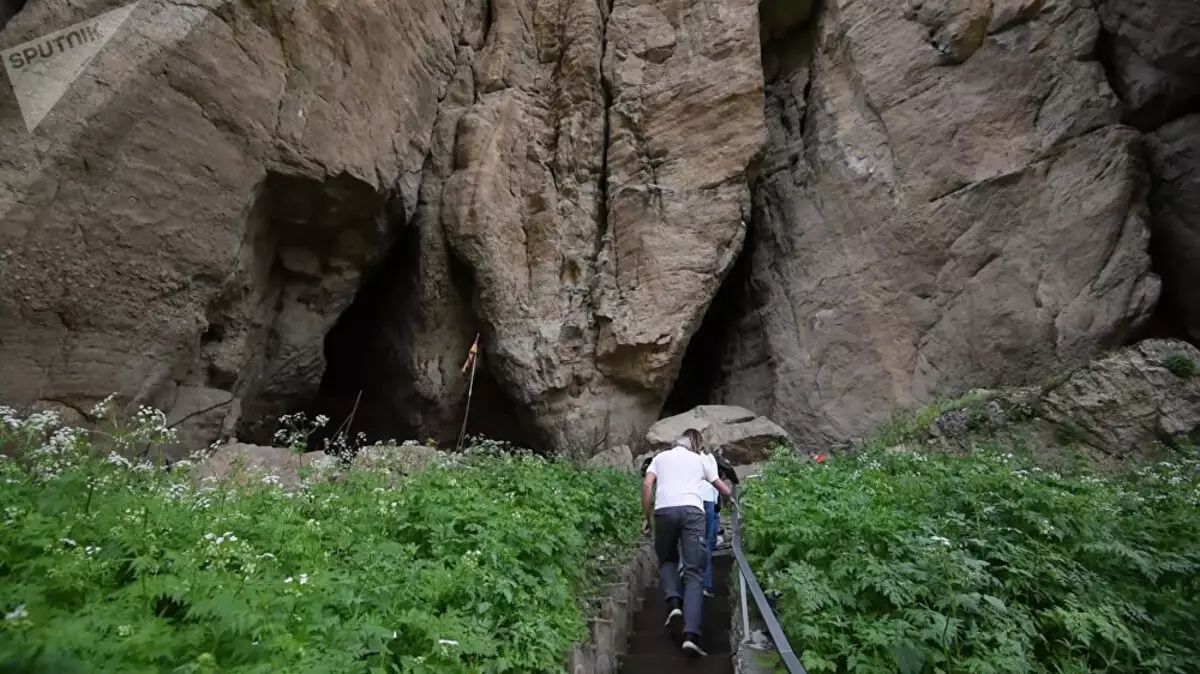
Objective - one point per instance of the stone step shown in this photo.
(655, 649)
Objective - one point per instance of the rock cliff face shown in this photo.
(197, 210)
(948, 201)
(1153, 51)
(245, 208)
(192, 218)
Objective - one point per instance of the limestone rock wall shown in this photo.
(948, 201)
(205, 202)
(242, 208)
(199, 207)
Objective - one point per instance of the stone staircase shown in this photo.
(653, 649)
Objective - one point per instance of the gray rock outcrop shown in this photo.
(199, 207)
(740, 435)
(1153, 53)
(620, 457)
(917, 231)
(1125, 402)
(255, 464)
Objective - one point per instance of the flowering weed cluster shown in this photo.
(112, 565)
(904, 562)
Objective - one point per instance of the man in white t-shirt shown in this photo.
(675, 485)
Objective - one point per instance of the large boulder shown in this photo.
(397, 460)
(739, 434)
(947, 201)
(1123, 403)
(620, 457)
(256, 463)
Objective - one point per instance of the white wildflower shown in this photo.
(101, 408)
(118, 460)
(17, 613)
(8, 417)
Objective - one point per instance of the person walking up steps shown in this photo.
(673, 492)
(711, 523)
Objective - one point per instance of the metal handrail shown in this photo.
(748, 581)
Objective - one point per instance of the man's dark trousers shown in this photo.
(679, 531)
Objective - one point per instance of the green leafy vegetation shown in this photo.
(476, 564)
(907, 562)
(904, 425)
(1068, 434)
(1181, 365)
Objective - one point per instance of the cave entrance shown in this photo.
(784, 33)
(379, 347)
(701, 373)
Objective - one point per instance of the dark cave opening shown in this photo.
(369, 380)
(1152, 108)
(701, 372)
(355, 377)
(1168, 319)
(303, 240)
(784, 27)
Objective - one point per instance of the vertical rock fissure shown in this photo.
(701, 371)
(606, 90)
(594, 303)
(702, 376)
(1149, 55)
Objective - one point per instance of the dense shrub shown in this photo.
(474, 565)
(1181, 365)
(901, 562)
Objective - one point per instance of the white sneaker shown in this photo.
(675, 613)
(692, 647)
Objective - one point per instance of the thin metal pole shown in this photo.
(745, 592)
(467, 413)
(745, 608)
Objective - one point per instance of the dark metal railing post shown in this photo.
(749, 582)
